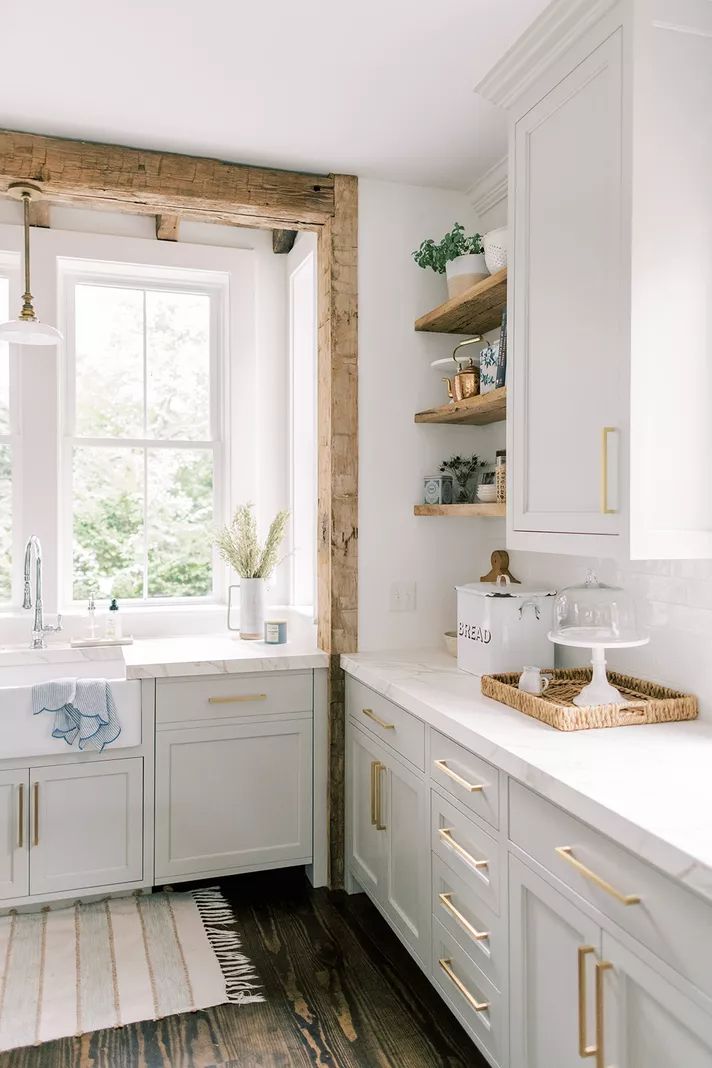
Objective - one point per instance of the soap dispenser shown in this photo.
(113, 621)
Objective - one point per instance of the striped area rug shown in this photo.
(113, 962)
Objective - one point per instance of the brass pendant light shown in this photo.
(27, 329)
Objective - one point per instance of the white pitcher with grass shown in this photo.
(238, 545)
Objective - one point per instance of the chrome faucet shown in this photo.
(38, 628)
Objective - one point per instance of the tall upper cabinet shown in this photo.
(610, 279)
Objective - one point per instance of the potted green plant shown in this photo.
(460, 257)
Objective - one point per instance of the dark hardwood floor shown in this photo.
(341, 992)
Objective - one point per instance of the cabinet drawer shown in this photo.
(468, 778)
(661, 914)
(468, 991)
(479, 931)
(392, 724)
(187, 699)
(467, 849)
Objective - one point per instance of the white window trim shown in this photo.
(10, 268)
(39, 386)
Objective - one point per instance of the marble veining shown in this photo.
(647, 787)
(217, 654)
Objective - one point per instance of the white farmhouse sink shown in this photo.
(25, 735)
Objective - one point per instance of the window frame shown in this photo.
(11, 269)
(161, 278)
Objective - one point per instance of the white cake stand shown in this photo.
(599, 690)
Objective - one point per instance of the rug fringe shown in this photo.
(241, 982)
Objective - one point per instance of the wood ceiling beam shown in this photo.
(39, 213)
(149, 182)
(167, 227)
(283, 241)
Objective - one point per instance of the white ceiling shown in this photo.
(378, 88)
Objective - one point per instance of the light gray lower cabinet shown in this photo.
(233, 796)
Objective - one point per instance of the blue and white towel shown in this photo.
(83, 709)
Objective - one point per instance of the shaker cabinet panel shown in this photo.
(14, 828)
(367, 841)
(567, 323)
(230, 797)
(407, 885)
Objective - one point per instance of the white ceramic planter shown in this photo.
(496, 245)
(252, 608)
(463, 272)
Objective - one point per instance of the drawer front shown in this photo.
(468, 778)
(392, 724)
(468, 991)
(480, 932)
(660, 913)
(467, 849)
(185, 700)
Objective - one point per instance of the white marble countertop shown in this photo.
(647, 787)
(218, 654)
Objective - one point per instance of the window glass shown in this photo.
(178, 365)
(180, 518)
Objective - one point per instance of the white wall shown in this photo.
(395, 381)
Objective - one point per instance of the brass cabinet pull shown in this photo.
(478, 1006)
(478, 936)
(35, 813)
(471, 787)
(446, 835)
(237, 697)
(602, 967)
(380, 825)
(374, 765)
(381, 722)
(625, 899)
(584, 1049)
(21, 816)
(605, 431)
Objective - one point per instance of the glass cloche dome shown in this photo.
(594, 612)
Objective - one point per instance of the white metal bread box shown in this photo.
(503, 626)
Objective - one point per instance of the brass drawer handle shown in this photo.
(602, 967)
(478, 1006)
(471, 787)
(584, 1049)
(478, 936)
(625, 899)
(381, 722)
(237, 698)
(21, 816)
(380, 825)
(35, 813)
(446, 835)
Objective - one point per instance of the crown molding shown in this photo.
(555, 30)
(490, 188)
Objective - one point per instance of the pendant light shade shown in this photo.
(27, 329)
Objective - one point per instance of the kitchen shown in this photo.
(534, 870)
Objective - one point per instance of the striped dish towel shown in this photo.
(84, 711)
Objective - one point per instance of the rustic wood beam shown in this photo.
(283, 241)
(132, 179)
(337, 554)
(39, 213)
(167, 227)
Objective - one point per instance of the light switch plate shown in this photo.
(402, 597)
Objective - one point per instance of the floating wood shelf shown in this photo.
(484, 511)
(475, 311)
(475, 411)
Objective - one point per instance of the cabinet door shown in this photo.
(232, 797)
(366, 832)
(14, 856)
(567, 295)
(647, 1023)
(86, 825)
(403, 811)
(546, 933)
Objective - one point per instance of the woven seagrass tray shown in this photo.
(649, 702)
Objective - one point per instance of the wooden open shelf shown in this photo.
(475, 311)
(483, 511)
(475, 411)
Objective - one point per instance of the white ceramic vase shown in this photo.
(252, 608)
(463, 272)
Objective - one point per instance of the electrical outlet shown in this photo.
(402, 597)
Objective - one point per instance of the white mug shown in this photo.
(531, 680)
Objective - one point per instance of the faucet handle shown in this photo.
(53, 630)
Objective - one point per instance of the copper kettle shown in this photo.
(466, 381)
